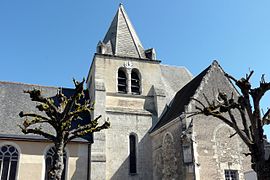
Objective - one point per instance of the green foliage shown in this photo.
(61, 115)
(60, 112)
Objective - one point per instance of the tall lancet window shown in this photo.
(135, 81)
(49, 163)
(122, 81)
(9, 157)
(132, 154)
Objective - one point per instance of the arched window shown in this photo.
(135, 82)
(132, 154)
(9, 157)
(122, 81)
(49, 163)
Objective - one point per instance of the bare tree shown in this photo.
(60, 113)
(250, 127)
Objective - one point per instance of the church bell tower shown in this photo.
(125, 83)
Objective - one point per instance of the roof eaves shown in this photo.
(188, 91)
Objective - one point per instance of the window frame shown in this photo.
(138, 74)
(229, 173)
(16, 148)
(126, 81)
(134, 153)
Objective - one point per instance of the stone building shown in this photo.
(151, 136)
(204, 151)
(25, 157)
(147, 103)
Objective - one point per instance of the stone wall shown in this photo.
(214, 151)
(128, 113)
(32, 162)
(167, 153)
(117, 146)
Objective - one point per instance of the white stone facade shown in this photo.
(31, 161)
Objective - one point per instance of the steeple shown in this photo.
(121, 38)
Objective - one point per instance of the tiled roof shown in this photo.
(180, 100)
(121, 38)
(13, 101)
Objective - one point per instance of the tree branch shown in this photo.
(266, 119)
(36, 119)
(37, 131)
(22, 114)
(232, 135)
(93, 123)
(245, 123)
(35, 95)
(78, 111)
(217, 110)
(72, 100)
(89, 128)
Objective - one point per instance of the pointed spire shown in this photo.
(121, 38)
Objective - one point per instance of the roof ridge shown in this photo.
(28, 84)
(116, 29)
(208, 69)
(121, 38)
(128, 26)
(185, 93)
(213, 64)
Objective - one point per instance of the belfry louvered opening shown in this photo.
(135, 82)
(122, 81)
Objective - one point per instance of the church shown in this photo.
(147, 103)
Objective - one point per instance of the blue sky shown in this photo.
(50, 42)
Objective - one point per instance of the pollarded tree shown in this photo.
(61, 112)
(250, 127)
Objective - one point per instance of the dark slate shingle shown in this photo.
(180, 100)
(13, 100)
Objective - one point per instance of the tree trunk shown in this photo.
(57, 170)
(263, 170)
(259, 164)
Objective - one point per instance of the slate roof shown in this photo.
(121, 38)
(13, 101)
(173, 78)
(180, 100)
